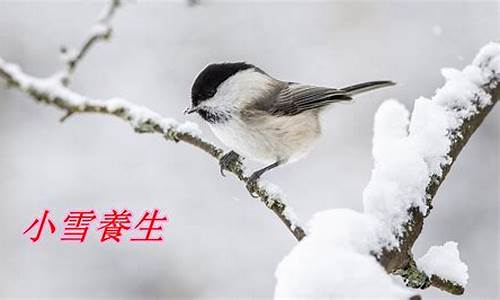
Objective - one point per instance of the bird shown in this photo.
(262, 118)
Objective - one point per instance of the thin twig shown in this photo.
(100, 32)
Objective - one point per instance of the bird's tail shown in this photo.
(366, 87)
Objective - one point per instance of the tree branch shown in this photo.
(417, 279)
(101, 31)
(400, 260)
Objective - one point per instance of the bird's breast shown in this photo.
(266, 139)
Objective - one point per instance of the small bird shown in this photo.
(262, 118)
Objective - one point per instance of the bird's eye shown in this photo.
(211, 93)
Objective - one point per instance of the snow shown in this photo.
(138, 114)
(189, 128)
(429, 133)
(400, 175)
(290, 214)
(335, 259)
(275, 192)
(488, 59)
(272, 189)
(444, 261)
(100, 29)
(460, 89)
(69, 55)
(333, 262)
(408, 153)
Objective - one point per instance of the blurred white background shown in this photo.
(220, 242)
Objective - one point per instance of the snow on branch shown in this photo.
(338, 258)
(334, 261)
(101, 31)
(444, 262)
(438, 130)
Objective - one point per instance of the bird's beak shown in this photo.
(190, 110)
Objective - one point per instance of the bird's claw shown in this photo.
(229, 161)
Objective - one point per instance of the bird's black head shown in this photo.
(206, 84)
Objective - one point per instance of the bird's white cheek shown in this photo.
(222, 101)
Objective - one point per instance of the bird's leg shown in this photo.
(252, 180)
(229, 161)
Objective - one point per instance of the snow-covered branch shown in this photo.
(428, 146)
(443, 265)
(101, 31)
(342, 255)
(54, 92)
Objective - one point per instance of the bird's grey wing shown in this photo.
(295, 98)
